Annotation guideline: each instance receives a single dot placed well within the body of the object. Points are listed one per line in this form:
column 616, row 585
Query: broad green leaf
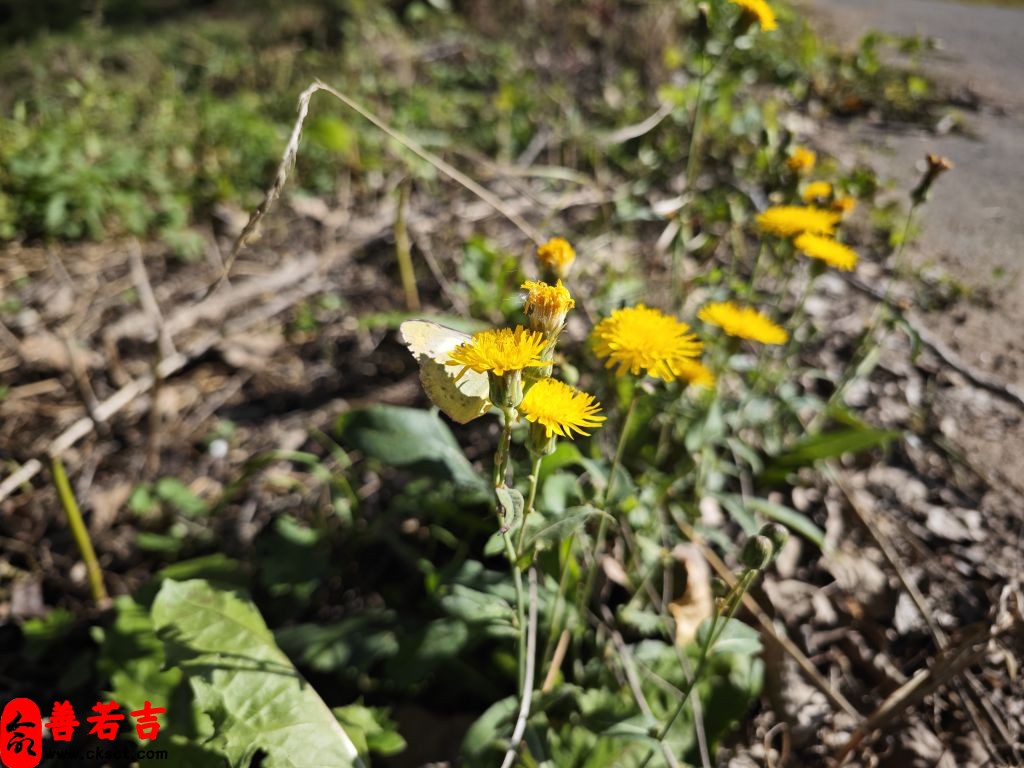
column 132, row 657
column 488, row 736
column 438, row 643
column 292, row 559
column 558, row 492
column 254, row 697
column 408, row 437
column 350, row 646
column 566, row 454
column 480, row 608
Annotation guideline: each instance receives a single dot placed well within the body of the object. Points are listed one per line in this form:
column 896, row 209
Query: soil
column 971, row 227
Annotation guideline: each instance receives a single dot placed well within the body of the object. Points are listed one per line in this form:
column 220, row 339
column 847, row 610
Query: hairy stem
column 531, row 497
column 502, row 475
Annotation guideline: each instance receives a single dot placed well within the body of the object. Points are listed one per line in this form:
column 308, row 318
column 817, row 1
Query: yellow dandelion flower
column 695, row 373
column 557, row 256
column 760, row 10
column 844, row 204
column 830, row 251
column 547, row 305
column 816, row 190
column 802, row 160
column 560, row 409
column 639, row 338
column 500, row 351
column 789, row 220
column 744, row 322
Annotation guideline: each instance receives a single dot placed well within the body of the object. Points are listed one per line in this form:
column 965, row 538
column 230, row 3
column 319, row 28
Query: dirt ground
column 971, row 229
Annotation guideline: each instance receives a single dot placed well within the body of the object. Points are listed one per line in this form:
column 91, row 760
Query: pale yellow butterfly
column 430, row 343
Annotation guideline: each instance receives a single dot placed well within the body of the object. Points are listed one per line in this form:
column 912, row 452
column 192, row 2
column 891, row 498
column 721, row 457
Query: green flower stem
column 501, row 477
column 80, row 533
column 517, row 580
column 733, row 600
column 530, row 498
column 501, row 457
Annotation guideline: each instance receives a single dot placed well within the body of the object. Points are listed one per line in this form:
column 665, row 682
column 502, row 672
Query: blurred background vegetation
column 143, row 116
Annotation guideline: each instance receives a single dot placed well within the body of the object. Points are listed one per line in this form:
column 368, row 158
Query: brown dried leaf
column 696, row 603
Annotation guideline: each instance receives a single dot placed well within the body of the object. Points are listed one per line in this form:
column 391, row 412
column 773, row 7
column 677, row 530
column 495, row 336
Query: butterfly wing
column 430, row 343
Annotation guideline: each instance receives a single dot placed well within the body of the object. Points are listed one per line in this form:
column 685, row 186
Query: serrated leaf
column 254, row 697
column 408, row 437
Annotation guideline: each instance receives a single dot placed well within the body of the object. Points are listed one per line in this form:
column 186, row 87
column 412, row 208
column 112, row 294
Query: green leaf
column 217, row 568
column 132, row 657
column 43, row 635
column 555, row 531
column 293, row 559
column 738, row 511
column 488, row 736
column 790, row 518
column 408, row 437
column 165, row 543
column 511, row 503
column 828, row 445
column 372, row 726
column 559, row 491
column 254, row 697
column 174, row 492
column 735, row 637
column 480, row 608
column 350, row 646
